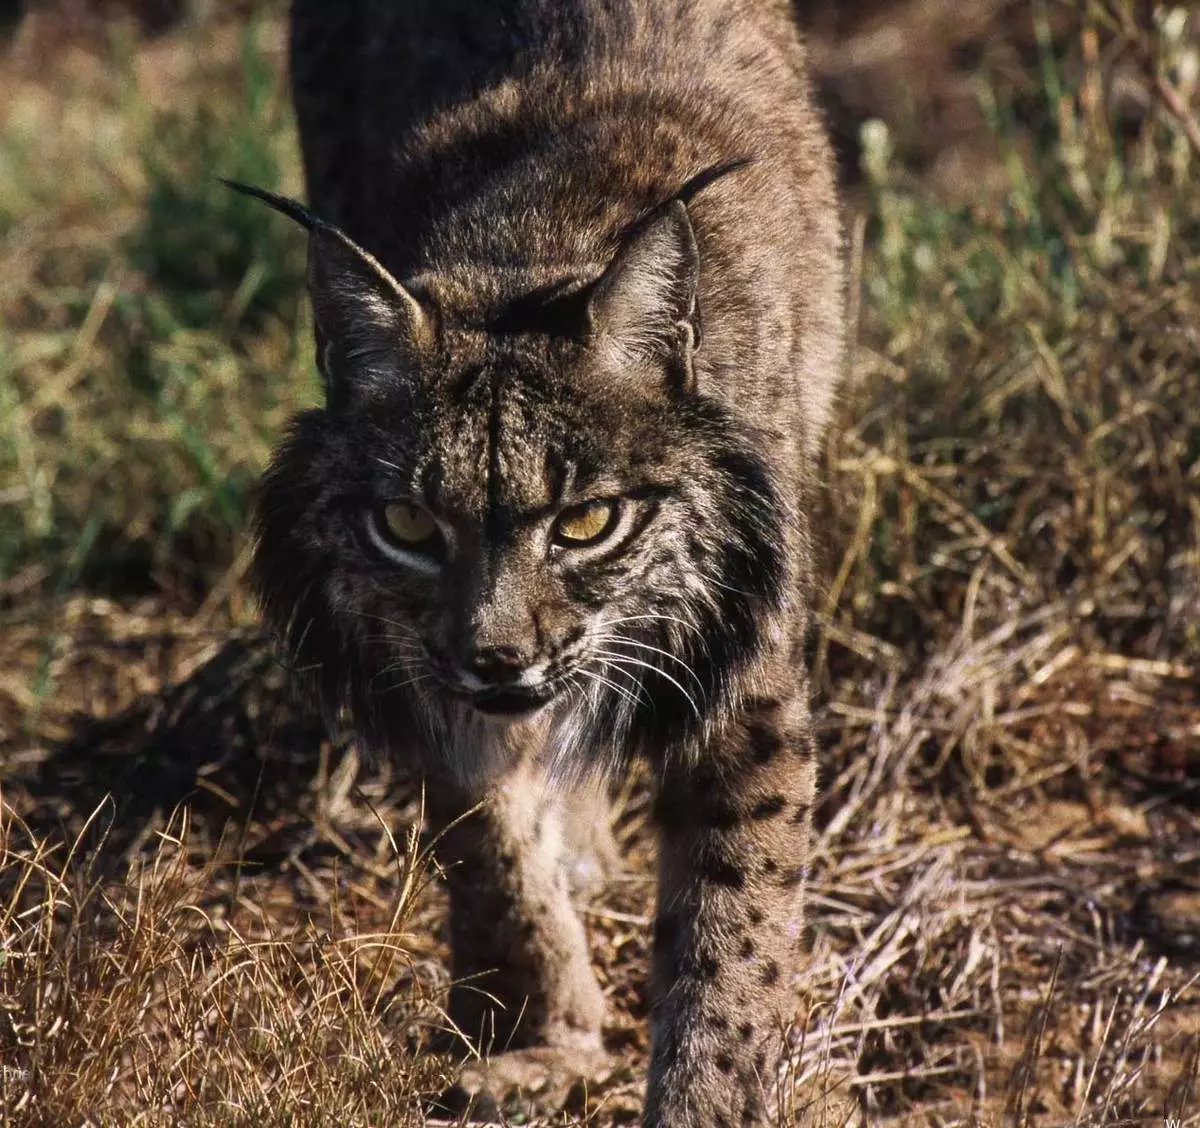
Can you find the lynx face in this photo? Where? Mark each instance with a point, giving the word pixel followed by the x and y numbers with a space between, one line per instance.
pixel 551 518
pixel 519 530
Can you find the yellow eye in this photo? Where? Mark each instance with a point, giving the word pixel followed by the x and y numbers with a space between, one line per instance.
pixel 585 524
pixel 407 523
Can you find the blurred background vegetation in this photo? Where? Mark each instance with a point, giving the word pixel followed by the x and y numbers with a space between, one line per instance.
pixel 154 337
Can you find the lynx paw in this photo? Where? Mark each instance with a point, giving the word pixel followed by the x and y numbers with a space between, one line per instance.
pixel 524 1083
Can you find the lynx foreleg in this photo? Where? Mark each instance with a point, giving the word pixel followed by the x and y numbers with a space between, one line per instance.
pixel 519 954
pixel 734 851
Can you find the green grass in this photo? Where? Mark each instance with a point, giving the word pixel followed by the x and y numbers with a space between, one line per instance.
pixel 1037 424
pixel 158 338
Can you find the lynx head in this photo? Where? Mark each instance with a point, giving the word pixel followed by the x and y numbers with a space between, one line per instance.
pixel 537 513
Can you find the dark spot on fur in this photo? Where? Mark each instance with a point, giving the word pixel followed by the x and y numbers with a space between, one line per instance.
pixel 756 916
pixel 718 1022
pixel 719 815
pixel 590 601
pixel 792 876
pixel 770 865
pixel 702 968
pixel 770 975
pixel 765 743
pixel 724 1063
pixel 800 815
pixel 747 949
pixel 746 1031
pixel 721 871
pixel 768 808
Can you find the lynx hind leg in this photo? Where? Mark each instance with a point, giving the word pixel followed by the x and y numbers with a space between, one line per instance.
pixel 522 975
pixel 734 842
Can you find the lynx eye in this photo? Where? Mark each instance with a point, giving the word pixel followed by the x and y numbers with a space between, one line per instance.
pixel 408 524
pixel 585 524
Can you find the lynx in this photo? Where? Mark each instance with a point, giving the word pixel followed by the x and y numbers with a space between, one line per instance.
pixel 576 279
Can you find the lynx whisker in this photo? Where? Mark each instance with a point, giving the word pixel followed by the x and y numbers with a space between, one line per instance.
pixel 633 698
pixel 406 683
pixel 653 617
pixel 621 640
pixel 576 686
pixel 402 663
pixel 698 635
pixel 396 649
pixel 616 660
pixel 399 645
pixel 404 628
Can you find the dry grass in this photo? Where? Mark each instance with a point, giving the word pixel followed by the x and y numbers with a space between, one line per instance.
pixel 212 913
pixel 148 997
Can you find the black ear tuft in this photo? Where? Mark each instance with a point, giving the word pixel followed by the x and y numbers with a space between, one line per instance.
pixel 283 204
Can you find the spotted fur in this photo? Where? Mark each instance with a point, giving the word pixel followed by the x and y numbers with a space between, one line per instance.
pixel 568 253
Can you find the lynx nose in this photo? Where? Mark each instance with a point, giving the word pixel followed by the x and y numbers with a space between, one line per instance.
pixel 494 665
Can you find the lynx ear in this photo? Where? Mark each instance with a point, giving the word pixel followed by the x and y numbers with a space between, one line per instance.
pixel 644 306
pixel 368 324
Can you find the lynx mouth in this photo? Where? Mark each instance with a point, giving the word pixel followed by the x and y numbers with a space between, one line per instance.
pixel 514 702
